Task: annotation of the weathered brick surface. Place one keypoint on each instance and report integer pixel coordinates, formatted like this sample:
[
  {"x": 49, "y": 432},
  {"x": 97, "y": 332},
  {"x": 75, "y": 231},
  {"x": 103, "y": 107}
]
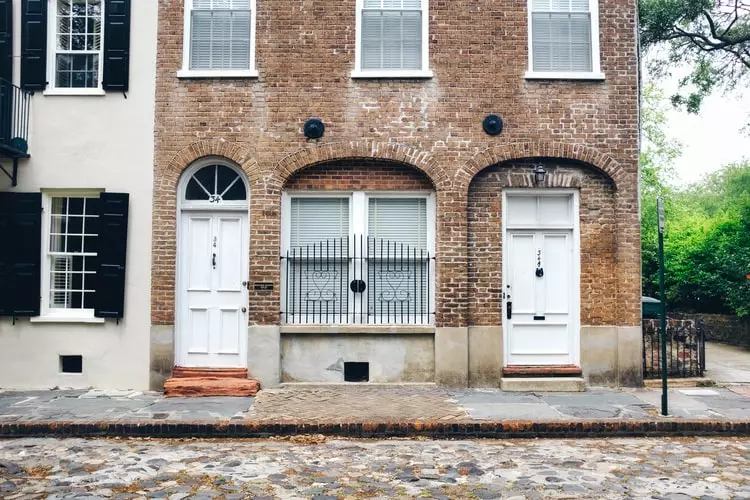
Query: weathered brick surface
[{"x": 478, "y": 52}]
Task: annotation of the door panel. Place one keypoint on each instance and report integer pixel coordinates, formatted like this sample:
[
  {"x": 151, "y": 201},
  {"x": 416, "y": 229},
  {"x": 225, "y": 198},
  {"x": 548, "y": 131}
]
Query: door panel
[
  {"x": 538, "y": 272},
  {"x": 212, "y": 330}
]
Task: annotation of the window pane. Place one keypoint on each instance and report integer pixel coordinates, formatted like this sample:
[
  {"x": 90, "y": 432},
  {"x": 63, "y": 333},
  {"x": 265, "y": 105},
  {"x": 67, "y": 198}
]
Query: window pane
[
  {"x": 391, "y": 39},
  {"x": 220, "y": 39},
  {"x": 316, "y": 220},
  {"x": 399, "y": 221},
  {"x": 561, "y": 42}
]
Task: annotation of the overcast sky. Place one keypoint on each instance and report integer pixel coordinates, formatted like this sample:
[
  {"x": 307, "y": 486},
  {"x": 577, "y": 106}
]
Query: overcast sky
[{"x": 711, "y": 139}]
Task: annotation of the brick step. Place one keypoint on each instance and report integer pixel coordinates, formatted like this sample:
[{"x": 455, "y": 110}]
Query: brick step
[
  {"x": 191, "y": 372},
  {"x": 540, "y": 371},
  {"x": 191, "y": 387}
]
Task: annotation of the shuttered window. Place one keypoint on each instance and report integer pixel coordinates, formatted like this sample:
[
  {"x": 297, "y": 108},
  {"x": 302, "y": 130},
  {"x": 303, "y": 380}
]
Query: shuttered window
[
  {"x": 221, "y": 34},
  {"x": 561, "y": 36},
  {"x": 391, "y": 34},
  {"x": 78, "y": 43},
  {"x": 315, "y": 220},
  {"x": 402, "y": 221}
]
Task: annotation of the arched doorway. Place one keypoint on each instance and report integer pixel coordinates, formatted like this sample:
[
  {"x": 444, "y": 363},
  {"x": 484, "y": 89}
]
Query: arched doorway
[{"x": 212, "y": 266}]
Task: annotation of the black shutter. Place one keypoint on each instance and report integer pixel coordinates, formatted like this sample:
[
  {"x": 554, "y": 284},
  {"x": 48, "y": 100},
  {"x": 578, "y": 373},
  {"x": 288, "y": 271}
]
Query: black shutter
[
  {"x": 116, "y": 45},
  {"x": 6, "y": 40},
  {"x": 34, "y": 44},
  {"x": 20, "y": 257},
  {"x": 112, "y": 242}
]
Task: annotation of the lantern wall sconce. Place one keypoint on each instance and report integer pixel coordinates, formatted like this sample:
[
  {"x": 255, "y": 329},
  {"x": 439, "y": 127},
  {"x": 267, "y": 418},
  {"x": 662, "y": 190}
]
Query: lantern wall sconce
[{"x": 539, "y": 173}]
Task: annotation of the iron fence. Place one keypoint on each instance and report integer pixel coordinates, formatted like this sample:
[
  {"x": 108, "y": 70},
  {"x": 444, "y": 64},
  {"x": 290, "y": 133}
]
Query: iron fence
[
  {"x": 686, "y": 348},
  {"x": 14, "y": 118},
  {"x": 357, "y": 280}
]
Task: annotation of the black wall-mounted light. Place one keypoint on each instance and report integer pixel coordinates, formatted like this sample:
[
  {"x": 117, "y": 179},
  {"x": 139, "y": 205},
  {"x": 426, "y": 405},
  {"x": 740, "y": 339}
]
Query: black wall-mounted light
[
  {"x": 314, "y": 128},
  {"x": 492, "y": 125},
  {"x": 539, "y": 173}
]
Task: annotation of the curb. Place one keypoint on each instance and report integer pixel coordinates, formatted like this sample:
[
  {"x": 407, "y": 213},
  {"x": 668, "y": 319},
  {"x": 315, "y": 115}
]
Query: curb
[{"x": 436, "y": 430}]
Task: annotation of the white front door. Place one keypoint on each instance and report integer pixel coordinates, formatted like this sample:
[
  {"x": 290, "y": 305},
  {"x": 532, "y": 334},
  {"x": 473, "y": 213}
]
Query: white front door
[
  {"x": 540, "y": 282},
  {"x": 213, "y": 281}
]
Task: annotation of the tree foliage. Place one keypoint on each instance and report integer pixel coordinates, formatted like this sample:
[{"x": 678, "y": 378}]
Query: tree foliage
[{"x": 711, "y": 36}]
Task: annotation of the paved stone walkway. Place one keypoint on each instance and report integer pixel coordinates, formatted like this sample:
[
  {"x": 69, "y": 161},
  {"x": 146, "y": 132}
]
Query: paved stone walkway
[
  {"x": 311, "y": 467},
  {"x": 376, "y": 404}
]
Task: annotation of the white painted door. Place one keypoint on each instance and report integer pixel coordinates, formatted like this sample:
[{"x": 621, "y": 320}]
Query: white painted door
[
  {"x": 213, "y": 277},
  {"x": 539, "y": 295}
]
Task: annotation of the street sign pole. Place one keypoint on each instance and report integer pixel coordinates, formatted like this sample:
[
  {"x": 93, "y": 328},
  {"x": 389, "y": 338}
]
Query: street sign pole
[{"x": 663, "y": 301}]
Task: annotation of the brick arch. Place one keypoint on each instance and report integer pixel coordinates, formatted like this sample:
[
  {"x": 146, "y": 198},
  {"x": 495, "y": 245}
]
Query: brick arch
[
  {"x": 413, "y": 157},
  {"x": 235, "y": 152},
  {"x": 531, "y": 149}
]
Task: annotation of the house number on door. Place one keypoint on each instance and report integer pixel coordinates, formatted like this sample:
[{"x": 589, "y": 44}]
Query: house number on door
[{"x": 539, "y": 270}]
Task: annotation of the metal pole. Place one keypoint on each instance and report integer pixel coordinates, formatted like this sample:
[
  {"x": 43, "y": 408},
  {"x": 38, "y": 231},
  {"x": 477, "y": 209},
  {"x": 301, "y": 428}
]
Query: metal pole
[{"x": 663, "y": 303}]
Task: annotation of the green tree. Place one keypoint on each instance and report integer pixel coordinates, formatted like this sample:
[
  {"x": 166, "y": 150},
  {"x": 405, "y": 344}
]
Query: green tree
[{"x": 711, "y": 36}]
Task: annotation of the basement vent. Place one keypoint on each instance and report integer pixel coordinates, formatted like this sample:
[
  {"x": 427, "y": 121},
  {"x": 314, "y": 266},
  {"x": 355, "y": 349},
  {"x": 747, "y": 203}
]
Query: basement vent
[
  {"x": 71, "y": 364},
  {"x": 356, "y": 372}
]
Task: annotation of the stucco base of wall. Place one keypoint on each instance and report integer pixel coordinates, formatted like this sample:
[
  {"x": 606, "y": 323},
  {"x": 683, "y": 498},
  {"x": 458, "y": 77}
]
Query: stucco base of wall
[
  {"x": 452, "y": 356},
  {"x": 162, "y": 356},
  {"x": 612, "y": 356},
  {"x": 392, "y": 358},
  {"x": 264, "y": 355},
  {"x": 485, "y": 356}
]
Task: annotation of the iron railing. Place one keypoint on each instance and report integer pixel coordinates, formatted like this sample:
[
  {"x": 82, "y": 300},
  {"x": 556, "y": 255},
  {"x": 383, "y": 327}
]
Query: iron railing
[
  {"x": 14, "y": 119},
  {"x": 357, "y": 280},
  {"x": 686, "y": 348}
]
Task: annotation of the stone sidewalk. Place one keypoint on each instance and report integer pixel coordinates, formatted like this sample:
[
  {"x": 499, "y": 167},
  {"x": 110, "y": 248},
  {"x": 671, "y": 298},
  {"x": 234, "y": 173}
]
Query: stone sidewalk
[{"x": 376, "y": 410}]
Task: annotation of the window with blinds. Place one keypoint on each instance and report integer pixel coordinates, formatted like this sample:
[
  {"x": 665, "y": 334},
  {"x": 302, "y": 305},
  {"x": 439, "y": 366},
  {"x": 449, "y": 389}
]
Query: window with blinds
[
  {"x": 220, "y": 34},
  {"x": 561, "y": 35},
  {"x": 391, "y": 35}
]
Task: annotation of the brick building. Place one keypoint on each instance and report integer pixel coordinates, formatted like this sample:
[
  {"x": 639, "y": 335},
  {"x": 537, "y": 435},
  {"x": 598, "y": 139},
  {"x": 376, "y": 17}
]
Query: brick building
[{"x": 403, "y": 237}]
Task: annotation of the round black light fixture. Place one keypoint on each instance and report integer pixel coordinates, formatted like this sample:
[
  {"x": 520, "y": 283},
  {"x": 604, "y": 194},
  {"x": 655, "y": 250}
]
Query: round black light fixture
[
  {"x": 492, "y": 124},
  {"x": 314, "y": 128}
]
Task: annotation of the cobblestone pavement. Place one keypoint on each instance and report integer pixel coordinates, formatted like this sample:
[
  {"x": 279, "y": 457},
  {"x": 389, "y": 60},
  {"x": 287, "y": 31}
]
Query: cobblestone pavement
[{"x": 325, "y": 470}]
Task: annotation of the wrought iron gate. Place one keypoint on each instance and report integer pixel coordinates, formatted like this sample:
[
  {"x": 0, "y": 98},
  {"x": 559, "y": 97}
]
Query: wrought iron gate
[
  {"x": 686, "y": 348},
  {"x": 357, "y": 280}
]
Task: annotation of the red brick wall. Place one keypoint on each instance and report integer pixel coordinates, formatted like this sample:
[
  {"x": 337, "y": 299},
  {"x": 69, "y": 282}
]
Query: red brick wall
[
  {"x": 478, "y": 53},
  {"x": 359, "y": 175},
  {"x": 597, "y": 226}
]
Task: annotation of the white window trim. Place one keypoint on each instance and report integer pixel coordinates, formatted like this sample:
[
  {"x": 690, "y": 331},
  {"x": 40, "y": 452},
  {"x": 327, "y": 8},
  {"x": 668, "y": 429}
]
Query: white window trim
[
  {"x": 596, "y": 71},
  {"x": 358, "y": 224},
  {"x": 186, "y": 72},
  {"x": 425, "y": 72},
  {"x": 58, "y": 315},
  {"x": 52, "y": 57}
]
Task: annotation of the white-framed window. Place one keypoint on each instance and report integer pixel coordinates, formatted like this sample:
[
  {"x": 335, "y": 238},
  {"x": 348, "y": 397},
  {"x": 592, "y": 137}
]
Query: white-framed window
[
  {"x": 564, "y": 39},
  {"x": 219, "y": 39},
  {"x": 69, "y": 254},
  {"x": 392, "y": 39},
  {"x": 334, "y": 243},
  {"x": 76, "y": 41}
]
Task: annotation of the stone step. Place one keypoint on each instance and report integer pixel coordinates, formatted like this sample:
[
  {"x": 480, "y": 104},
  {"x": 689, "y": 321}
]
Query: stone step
[
  {"x": 543, "y": 384},
  {"x": 188, "y": 387},
  {"x": 191, "y": 372},
  {"x": 538, "y": 371}
]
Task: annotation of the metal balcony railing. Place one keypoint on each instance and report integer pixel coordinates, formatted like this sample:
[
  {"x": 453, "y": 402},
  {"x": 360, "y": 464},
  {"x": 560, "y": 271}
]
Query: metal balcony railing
[
  {"x": 357, "y": 280},
  {"x": 14, "y": 120}
]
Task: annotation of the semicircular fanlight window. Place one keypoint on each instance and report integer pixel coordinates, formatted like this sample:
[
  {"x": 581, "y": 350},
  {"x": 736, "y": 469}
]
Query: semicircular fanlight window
[{"x": 215, "y": 183}]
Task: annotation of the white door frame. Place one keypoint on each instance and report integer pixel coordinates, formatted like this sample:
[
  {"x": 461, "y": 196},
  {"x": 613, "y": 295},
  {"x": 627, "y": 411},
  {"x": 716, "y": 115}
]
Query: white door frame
[
  {"x": 575, "y": 314},
  {"x": 187, "y": 207}
]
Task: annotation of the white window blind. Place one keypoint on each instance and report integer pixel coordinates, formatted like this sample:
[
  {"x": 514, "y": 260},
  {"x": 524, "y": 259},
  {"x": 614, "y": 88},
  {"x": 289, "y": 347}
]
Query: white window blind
[
  {"x": 391, "y": 34},
  {"x": 220, "y": 34},
  {"x": 399, "y": 220},
  {"x": 561, "y": 35},
  {"x": 315, "y": 220}
]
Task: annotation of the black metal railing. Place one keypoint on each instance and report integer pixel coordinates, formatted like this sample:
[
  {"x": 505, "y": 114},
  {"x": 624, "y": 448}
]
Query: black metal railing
[
  {"x": 14, "y": 119},
  {"x": 357, "y": 280},
  {"x": 686, "y": 348}
]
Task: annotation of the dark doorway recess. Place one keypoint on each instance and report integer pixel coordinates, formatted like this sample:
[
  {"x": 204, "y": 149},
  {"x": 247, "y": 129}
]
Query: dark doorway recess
[{"x": 356, "y": 372}]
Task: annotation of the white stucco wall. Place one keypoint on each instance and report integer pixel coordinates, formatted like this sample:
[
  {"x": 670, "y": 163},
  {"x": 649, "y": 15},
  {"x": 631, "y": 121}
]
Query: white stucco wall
[{"x": 103, "y": 142}]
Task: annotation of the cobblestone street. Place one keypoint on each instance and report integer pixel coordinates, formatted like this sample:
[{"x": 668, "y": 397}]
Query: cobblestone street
[{"x": 313, "y": 467}]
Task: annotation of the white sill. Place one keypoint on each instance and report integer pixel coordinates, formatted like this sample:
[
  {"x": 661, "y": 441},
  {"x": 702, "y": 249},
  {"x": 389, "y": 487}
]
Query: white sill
[
  {"x": 392, "y": 74},
  {"x": 217, "y": 73},
  {"x": 74, "y": 92},
  {"x": 563, "y": 75},
  {"x": 67, "y": 319}
]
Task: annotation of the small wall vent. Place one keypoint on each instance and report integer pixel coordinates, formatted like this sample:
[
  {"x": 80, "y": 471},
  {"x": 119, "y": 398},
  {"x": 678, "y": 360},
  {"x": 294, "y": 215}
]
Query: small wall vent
[
  {"x": 71, "y": 364},
  {"x": 356, "y": 372}
]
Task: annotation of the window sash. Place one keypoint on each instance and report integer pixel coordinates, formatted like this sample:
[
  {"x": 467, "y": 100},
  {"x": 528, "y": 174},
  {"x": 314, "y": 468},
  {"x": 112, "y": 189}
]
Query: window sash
[
  {"x": 94, "y": 66},
  {"x": 214, "y": 49},
  {"x": 391, "y": 35}
]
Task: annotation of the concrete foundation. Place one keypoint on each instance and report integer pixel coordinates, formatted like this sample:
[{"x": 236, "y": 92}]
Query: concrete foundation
[
  {"x": 452, "y": 357},
  {"x": 485, "y": 356},
  {"x": 264, "y": 355},
  {"x": 161, "y": 356},
  {"x": 543, "y": 384},
  {"x": 612, "y": 356}
]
